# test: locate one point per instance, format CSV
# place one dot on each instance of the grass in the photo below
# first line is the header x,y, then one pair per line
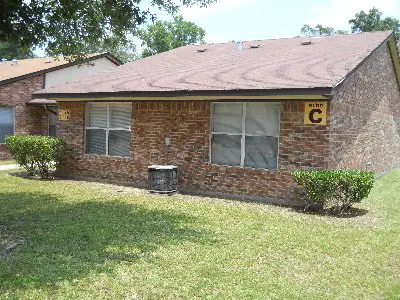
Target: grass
x,y
7,162
79,240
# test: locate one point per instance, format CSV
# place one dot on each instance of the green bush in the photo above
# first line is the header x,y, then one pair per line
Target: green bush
x,y
338,189
36,154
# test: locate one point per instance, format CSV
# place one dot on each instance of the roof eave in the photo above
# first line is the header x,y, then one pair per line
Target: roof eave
x,y
320,93
113,58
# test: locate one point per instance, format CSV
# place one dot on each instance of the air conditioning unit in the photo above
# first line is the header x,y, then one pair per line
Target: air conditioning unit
x,y
163,179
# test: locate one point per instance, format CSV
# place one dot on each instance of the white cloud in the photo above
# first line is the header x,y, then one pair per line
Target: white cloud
x,y
195,12
338,12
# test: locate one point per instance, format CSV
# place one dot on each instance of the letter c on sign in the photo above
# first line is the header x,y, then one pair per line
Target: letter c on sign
x,y
311,116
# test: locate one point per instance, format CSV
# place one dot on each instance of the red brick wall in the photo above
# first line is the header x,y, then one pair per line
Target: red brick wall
x,y
187,123
365,124
29,120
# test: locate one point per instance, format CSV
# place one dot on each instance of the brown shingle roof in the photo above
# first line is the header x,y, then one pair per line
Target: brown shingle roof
x,y
276,64
40,65
26,66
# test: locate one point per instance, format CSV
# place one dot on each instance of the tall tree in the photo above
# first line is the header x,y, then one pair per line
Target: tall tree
x,y
323,30
67,26
164,36
126,51
372,21
10,51
341,31
307,29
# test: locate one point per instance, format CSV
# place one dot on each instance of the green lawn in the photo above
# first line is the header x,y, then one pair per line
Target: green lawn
x,y
80,240
7,162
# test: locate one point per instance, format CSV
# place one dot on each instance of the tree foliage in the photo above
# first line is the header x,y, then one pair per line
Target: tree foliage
x,y
66,27
307,29
10,51
163,36
36,154
325,30
373,21
362,22
321,29
341,31
124,51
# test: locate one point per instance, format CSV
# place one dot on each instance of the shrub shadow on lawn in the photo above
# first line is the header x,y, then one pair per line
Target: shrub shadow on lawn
x,y
24,175
352,212
66,241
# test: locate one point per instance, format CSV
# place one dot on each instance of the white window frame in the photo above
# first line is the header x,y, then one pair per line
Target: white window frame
x,y
108,129
243,135
14,121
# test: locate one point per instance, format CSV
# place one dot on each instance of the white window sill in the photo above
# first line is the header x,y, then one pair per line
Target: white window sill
x,y
107,156
239,167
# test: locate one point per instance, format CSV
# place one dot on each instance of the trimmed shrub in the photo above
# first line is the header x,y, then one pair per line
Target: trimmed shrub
x,y
36,154
316,185
338,189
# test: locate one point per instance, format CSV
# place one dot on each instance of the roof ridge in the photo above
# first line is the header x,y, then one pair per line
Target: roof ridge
x,y
287,38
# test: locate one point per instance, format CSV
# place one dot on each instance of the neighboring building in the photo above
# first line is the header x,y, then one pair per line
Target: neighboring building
x,y
19,79
237,119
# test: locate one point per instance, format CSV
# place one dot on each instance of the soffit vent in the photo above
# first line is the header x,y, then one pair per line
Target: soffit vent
x,y
201,50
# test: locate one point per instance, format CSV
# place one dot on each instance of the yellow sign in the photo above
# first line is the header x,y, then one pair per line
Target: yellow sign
x,y
64,114
315,113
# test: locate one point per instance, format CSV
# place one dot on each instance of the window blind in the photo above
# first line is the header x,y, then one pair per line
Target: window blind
x,y
6,123
245,134
108,129
120,116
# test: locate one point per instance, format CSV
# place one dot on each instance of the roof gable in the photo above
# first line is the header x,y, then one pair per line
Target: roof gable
x,y
35,66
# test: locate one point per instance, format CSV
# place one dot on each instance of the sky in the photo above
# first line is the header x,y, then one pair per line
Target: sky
x,y
242,20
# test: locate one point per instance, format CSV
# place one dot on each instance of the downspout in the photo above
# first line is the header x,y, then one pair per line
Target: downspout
x,y
46,107
395,58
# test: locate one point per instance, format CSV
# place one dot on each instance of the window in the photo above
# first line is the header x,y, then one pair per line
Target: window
x,y
245,134
108,128
6,123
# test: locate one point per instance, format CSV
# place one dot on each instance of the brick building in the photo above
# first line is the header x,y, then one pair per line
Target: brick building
x,y
19,79
236,119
